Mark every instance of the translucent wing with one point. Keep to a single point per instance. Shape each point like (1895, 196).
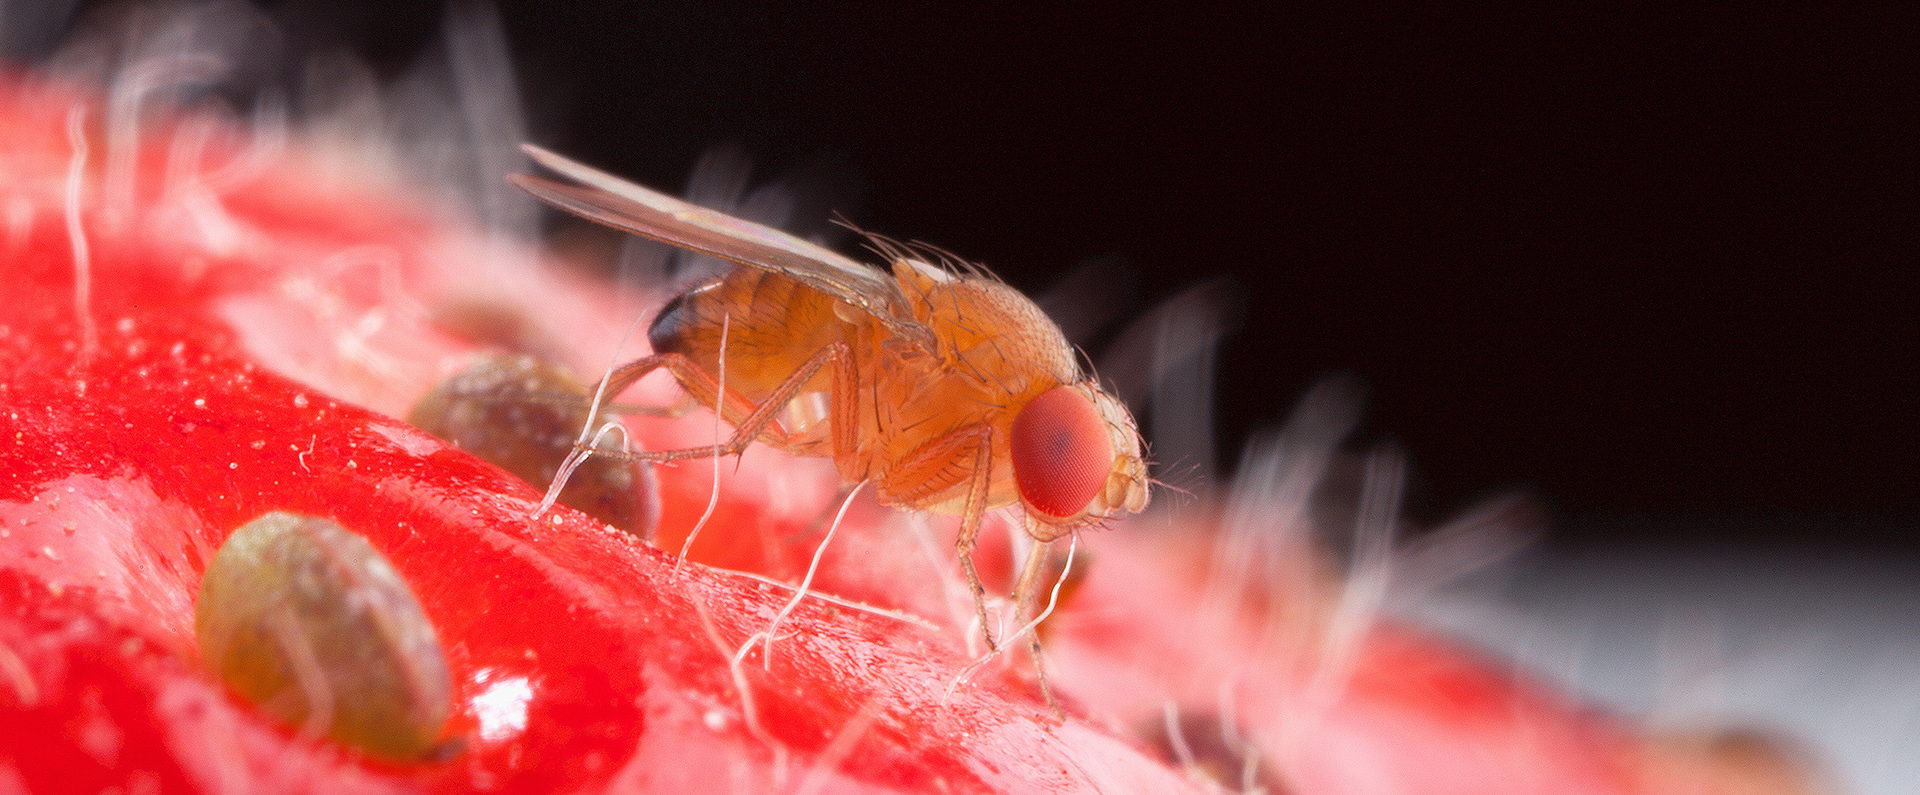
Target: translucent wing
(613, 201)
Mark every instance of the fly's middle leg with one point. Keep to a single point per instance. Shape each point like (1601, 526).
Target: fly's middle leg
(970, 519)
(931, 469)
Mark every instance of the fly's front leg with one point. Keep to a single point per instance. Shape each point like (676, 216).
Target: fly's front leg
(1026, 588)
(1025, 606)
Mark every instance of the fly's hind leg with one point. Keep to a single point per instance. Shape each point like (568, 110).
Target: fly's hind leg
(750, 422)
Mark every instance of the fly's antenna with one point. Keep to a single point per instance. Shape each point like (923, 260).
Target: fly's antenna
(1184, 475)
(1176, 489)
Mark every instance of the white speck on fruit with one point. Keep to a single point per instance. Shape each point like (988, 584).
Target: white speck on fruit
(199, 403)
(714, 719)
(299, 401)
(501, 709)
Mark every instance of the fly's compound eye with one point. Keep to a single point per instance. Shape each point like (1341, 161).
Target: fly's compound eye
(1062, 455)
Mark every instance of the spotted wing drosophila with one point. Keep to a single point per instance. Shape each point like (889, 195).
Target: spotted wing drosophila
(942, 387)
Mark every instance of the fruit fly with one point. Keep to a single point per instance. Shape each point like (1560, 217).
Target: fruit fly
(941, 386)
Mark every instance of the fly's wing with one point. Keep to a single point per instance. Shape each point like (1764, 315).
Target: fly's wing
(613, 201)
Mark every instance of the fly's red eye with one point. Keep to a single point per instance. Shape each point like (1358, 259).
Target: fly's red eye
(1061, 453)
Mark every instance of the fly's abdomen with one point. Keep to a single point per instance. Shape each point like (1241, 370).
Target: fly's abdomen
(671, 329)
(772, 323)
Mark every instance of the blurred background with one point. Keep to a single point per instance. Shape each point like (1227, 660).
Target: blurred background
(1653, 266)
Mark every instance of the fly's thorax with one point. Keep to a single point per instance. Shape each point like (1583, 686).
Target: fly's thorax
(1067, 452)
(988, 331)
(909, 401)
(992, 351)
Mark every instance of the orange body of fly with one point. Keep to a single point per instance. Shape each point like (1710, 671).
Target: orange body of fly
(947, 391)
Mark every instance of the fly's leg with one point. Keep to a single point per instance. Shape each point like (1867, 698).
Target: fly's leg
(976, 510)
(1023, 604)
(684, 371)
(1053, 601)
(616, 381)
(749, 421)
(561, 400)
(1023, 589)
(927, 471)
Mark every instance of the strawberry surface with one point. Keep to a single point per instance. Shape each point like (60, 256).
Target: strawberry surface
(199, 331)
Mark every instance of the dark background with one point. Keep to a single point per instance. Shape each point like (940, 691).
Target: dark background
(1653, 263)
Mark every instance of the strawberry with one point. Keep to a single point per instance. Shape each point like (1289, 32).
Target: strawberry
(201, 331)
